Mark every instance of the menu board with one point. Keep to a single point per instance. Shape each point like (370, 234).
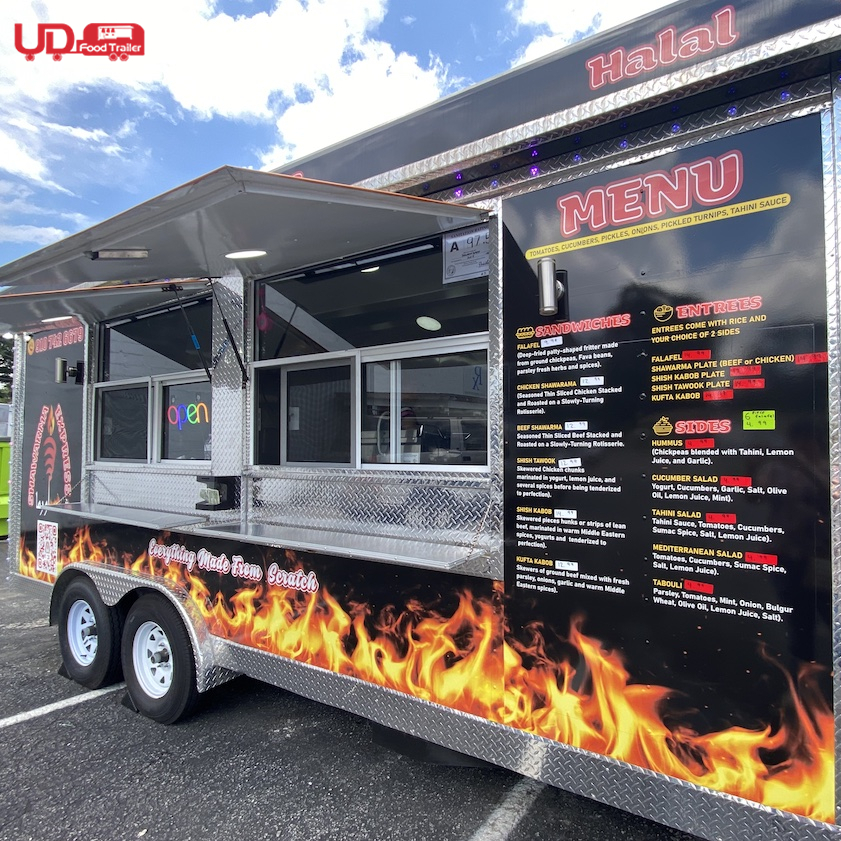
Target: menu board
(667, 471)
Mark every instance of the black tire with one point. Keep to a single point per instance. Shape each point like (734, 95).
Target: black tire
(89, 635)
(158, 661)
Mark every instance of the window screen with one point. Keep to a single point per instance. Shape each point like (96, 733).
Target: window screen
(318, 412)
(122, 419)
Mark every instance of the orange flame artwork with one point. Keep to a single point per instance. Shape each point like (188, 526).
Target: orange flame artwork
(464, 659)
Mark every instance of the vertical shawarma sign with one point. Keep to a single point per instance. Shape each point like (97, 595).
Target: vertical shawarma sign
(51, 444)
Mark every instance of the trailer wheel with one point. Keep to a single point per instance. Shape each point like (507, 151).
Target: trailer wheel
(89, 635)
(158, 662)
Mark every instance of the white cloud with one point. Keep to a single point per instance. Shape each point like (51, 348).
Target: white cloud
(561, 24)
(37, 149)
(17, 160)
(31, 234)
(78, 133)
(379, 87)
(313, 71)
(17, 203)
(294, 67)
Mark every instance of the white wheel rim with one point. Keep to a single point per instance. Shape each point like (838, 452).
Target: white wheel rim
(81, 632)
(152, 659)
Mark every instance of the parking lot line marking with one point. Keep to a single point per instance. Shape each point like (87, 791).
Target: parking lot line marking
(59, 705)
(504, 819)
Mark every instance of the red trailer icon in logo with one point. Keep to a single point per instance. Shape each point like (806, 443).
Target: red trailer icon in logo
(116, 40)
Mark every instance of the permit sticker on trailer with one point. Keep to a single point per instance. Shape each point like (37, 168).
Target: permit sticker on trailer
(466, 254)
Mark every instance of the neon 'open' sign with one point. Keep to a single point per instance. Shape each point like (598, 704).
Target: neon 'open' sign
(191, 413)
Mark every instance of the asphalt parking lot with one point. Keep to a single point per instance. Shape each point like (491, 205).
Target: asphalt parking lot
(254, 762)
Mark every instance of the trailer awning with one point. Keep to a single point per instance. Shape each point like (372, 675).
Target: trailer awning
(186, 233)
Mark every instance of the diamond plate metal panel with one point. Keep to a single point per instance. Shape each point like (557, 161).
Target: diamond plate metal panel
(16, 465)
(145, 487)
(754, 112)
(493, 525)
(88, 412)
(446, 509)
(669, 801)
(229, 392)
(795, 46)
(832, 178)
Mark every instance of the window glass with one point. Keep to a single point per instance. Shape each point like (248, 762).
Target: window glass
(268, 415)
(441, 403)
(376, 412)
(155, 344)
(373, 303)
(122, 417)
(318, 414)
(186, 421)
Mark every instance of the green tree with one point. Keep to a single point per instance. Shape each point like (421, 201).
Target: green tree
(6, 369)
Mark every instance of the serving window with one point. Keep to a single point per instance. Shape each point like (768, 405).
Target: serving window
(382, 361)
(318, 412)
(122, 422)
(153, 401)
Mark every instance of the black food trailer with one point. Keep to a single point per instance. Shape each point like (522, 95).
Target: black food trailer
(512, 426)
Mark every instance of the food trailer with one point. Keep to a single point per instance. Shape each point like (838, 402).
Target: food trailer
(511, 426)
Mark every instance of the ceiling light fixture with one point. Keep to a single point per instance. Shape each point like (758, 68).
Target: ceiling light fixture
(246, 254)
(55, 318)
(427, 246)
(118, 254)
(427, 322)
(370, 269)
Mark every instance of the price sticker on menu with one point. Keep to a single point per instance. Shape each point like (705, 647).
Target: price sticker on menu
(759, 419)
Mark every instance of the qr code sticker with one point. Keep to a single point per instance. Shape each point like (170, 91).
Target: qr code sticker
(46, 559)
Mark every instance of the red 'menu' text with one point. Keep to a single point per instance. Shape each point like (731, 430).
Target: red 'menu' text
(707, 182)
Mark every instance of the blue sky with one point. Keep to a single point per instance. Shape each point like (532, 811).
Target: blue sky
(252, 83)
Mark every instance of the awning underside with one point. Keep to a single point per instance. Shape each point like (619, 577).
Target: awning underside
(188, 231)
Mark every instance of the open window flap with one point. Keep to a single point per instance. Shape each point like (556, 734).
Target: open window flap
(26, 311)
(189, 230)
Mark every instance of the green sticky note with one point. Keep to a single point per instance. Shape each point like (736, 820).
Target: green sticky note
(759, 419)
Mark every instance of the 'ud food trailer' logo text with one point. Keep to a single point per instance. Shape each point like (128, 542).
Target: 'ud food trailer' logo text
(116, 40)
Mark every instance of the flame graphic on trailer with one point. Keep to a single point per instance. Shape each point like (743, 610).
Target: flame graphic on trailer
(463, 654)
